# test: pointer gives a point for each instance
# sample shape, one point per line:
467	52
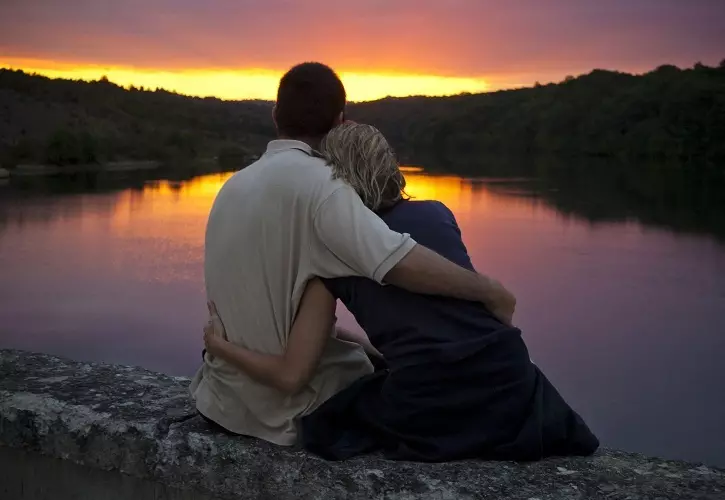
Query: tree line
69	122
668	115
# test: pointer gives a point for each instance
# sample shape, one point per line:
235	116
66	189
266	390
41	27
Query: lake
623	308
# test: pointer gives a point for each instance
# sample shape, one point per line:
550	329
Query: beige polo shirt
273	226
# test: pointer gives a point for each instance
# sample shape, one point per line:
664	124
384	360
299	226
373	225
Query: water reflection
625	318
683	198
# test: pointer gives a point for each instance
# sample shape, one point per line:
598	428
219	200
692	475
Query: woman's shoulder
432	224
430	209
429	204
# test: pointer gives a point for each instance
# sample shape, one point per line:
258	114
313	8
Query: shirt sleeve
353	241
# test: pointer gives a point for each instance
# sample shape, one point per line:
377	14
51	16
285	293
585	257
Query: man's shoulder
300	162
300	172
287	175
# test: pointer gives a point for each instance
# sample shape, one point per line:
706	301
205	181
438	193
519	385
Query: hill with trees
668	115
66	122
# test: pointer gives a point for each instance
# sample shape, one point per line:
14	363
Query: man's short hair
309	99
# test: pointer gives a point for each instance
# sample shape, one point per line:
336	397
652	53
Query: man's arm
359	243
424	271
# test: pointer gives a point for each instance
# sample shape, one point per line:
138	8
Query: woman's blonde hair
361	156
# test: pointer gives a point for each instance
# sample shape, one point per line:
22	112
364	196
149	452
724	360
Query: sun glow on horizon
239	84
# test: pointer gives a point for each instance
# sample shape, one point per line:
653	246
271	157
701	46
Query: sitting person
459	382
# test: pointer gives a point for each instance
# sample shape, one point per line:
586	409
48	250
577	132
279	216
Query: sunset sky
237	49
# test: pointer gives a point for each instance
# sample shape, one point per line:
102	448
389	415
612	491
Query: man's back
261	248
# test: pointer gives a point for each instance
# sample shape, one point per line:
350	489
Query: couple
321	216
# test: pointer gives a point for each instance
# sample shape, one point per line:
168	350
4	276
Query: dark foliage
668	115
67	122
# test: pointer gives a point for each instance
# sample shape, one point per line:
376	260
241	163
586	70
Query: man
281	221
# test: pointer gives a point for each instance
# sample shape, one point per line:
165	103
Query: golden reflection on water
455	192
161	198
163	223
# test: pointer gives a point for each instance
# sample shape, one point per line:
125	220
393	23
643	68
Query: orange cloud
237	49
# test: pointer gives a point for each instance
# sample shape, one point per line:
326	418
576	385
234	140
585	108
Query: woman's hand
358	338
214	332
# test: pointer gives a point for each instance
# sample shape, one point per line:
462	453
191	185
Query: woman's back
410	328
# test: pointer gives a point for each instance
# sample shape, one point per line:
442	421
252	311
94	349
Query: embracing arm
424	271
359	243
291	371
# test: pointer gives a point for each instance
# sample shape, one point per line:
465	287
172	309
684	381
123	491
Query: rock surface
141	423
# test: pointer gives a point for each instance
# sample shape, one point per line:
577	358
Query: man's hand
499	301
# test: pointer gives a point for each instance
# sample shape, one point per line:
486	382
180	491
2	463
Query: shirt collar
286	144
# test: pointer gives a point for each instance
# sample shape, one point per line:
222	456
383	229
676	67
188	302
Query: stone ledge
140	423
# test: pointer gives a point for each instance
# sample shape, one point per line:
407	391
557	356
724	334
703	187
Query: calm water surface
626	319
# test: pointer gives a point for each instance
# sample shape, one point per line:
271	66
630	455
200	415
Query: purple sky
453	37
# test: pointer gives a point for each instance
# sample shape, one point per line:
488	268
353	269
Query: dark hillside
668	115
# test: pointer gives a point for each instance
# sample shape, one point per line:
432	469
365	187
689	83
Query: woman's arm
291	371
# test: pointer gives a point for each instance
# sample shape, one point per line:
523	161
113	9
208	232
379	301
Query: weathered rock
141	423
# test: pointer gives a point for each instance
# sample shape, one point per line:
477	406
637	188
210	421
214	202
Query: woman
459	383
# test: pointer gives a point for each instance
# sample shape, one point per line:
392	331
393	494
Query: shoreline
45	170
33	170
